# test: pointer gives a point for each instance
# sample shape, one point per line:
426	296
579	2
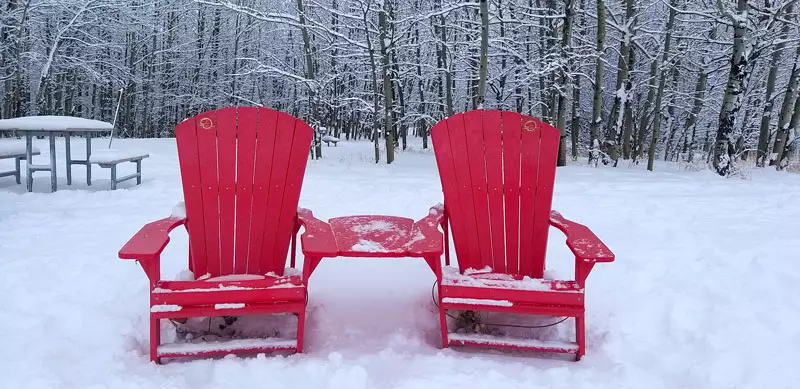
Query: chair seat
227	292
498	291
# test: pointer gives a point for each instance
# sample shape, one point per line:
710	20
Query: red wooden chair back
242	169
497	170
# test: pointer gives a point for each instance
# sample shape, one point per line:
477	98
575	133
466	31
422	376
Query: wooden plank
548	157
284	134
296	169
511	184
207	148
469	239
473	129
235	346
535	345
265	145
529	165
492	138
226	162
230	295
440	137
245	159
188	157
519	297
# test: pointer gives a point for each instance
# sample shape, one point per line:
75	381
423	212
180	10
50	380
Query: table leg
28	161
139	172
53	176
68	157
113	176
88	164
18	170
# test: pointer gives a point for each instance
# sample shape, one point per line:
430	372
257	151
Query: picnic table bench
111	158
330	139
18	153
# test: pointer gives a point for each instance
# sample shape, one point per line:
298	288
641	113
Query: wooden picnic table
52	126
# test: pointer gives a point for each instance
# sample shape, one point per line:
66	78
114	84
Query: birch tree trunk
387	83
769	99
621	93
375	96
786	113
481	94
734	88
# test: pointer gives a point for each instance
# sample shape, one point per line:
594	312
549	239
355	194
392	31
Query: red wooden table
372	236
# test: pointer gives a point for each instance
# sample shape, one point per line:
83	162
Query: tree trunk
734	88
387	84
566	45
599	69
312	89
769	99
786	114
481	95
621	92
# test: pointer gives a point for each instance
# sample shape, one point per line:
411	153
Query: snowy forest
625	81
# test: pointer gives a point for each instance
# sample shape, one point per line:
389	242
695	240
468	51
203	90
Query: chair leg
443	321
580	336
301	326
155	339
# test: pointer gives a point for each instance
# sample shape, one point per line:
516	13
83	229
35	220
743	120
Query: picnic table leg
113	176
28	159
139	172
53	176
18	171
88	154
68	156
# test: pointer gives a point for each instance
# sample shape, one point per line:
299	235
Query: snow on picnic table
703	293
53	122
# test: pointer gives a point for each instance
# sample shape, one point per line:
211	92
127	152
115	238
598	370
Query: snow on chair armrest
426	239
318	237
581	240
150	240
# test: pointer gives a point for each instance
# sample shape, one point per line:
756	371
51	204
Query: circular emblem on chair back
206	123
530	126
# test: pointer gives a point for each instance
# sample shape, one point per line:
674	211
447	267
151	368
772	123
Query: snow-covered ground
705	291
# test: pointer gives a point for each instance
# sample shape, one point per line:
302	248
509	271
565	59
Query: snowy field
705	291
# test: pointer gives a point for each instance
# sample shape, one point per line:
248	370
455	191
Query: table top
54	123
372	235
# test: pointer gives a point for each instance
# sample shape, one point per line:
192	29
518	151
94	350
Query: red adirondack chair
497	171
242	170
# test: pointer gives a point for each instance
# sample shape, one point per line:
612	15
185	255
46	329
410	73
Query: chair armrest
318	239
581	240
151	239
426	239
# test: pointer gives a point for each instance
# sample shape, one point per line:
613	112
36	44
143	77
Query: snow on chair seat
243	293
233	346
111	158
544	346
18	153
